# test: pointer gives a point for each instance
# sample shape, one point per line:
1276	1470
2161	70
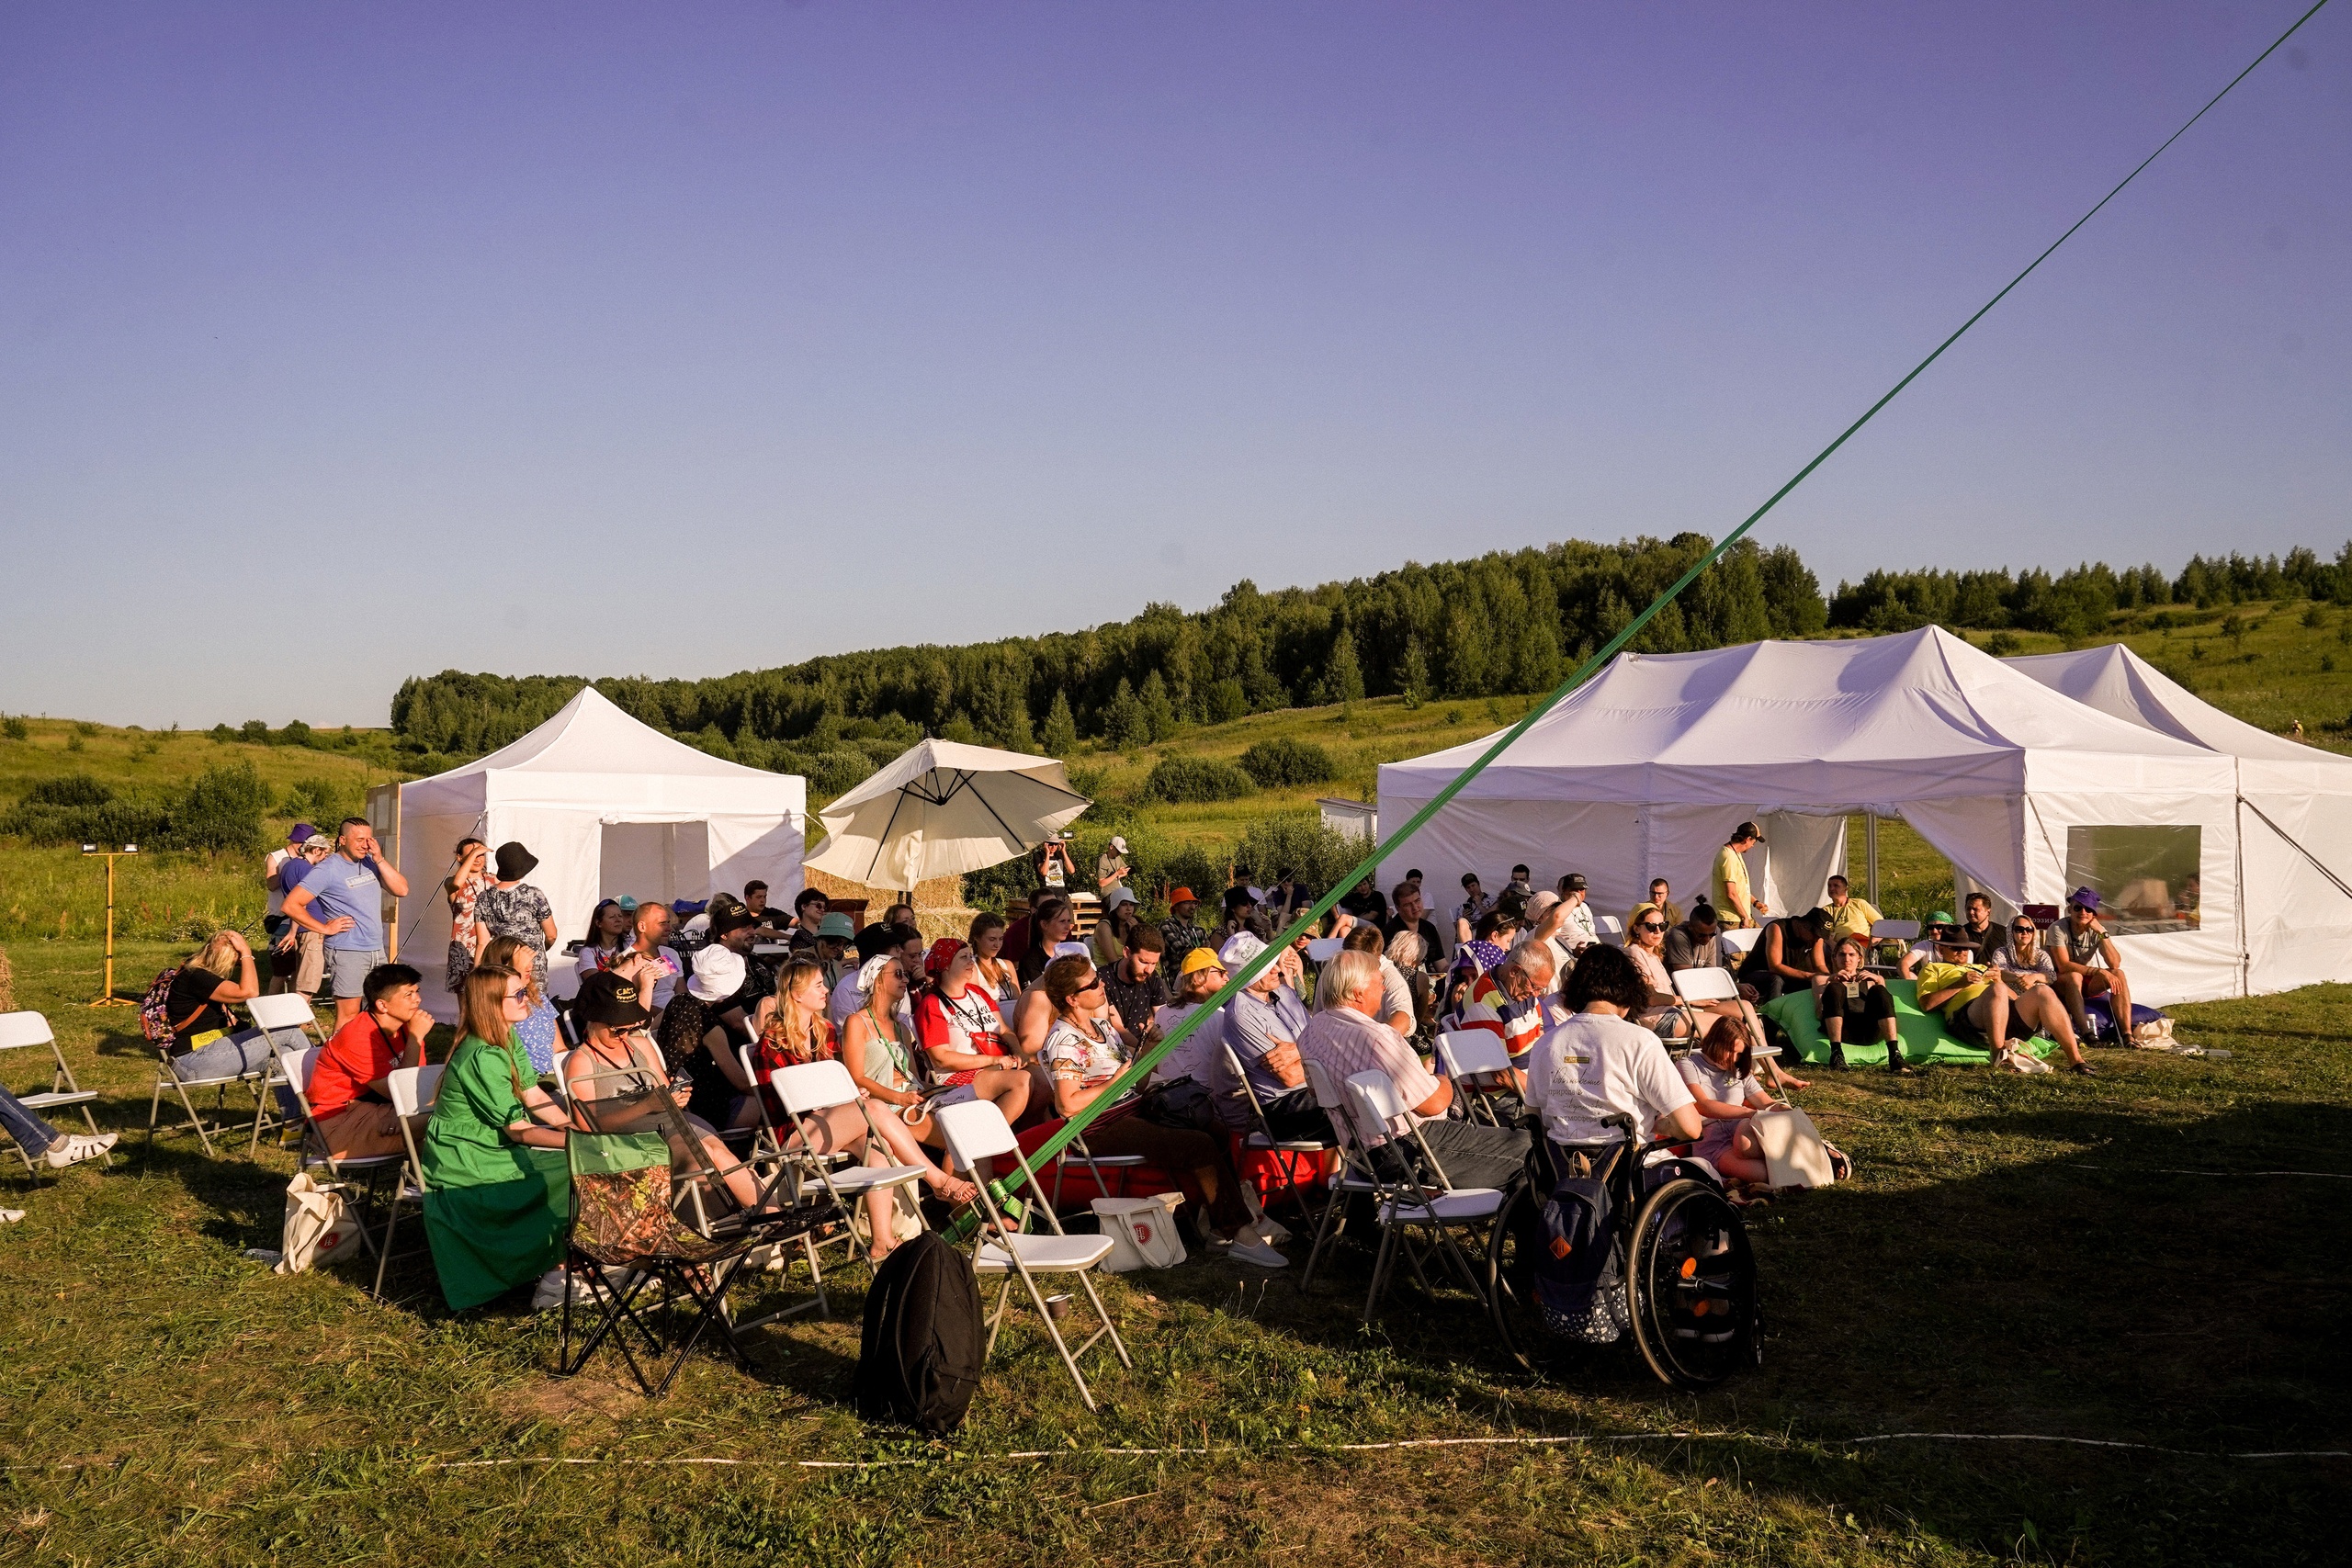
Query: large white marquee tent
610	806
2029	791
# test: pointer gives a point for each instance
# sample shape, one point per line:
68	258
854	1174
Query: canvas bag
1793	1151
1142	1230
319	1226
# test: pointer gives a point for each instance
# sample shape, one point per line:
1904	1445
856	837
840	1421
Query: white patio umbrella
941	809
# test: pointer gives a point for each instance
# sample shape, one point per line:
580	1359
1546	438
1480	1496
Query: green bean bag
1925	1039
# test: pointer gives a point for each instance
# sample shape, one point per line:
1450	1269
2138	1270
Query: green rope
1137	1069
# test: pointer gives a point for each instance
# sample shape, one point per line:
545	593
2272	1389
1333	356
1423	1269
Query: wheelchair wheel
1528	1344
1692	1282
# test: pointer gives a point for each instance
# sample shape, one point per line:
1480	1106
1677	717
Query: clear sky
340	344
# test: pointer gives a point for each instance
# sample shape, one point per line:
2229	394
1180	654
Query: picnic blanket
1924	1035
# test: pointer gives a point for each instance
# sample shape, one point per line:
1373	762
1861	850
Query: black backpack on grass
918	1361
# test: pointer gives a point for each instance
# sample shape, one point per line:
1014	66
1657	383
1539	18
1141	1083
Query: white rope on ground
2167	1170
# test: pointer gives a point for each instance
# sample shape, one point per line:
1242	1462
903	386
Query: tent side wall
2299	921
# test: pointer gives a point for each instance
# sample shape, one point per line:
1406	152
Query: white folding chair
1608	928
1478	1062
291	1023
809	1089
294	1069
258	1081
22	1030
1904	931
1699	987
977	1130
1284	1149
1354	1176
1407	1204
1741	939
412	1090
563	976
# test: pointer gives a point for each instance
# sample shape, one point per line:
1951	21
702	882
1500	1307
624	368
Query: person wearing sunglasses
2032	975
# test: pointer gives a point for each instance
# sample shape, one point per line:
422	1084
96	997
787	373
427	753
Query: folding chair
412	1090
1353	1177
810	1089
1741	940
289	1022
624	1222
976	1131
1285	1149
21	1030
1695	988
1608	928
1904	931
1408	1202
259	1081
1477	1060
1095	1165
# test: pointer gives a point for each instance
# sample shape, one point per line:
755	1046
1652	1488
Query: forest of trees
1506	622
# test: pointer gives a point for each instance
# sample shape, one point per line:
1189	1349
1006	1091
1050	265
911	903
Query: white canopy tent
2295	816
610	806
1645	771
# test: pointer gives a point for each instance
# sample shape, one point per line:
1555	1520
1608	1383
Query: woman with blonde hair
537	1030
497	1186
206	1042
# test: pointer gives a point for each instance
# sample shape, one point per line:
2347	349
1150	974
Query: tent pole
1870	854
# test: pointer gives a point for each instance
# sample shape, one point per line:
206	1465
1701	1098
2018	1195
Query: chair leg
384	1252
1086	1278
194	1120
1334	1203
1054	1330
1379	1270
996	1318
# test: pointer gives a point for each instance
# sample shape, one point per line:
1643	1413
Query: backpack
155	1008
918	1361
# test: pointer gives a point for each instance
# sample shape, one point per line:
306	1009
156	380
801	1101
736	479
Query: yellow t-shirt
1855	919
1935	976
1731	877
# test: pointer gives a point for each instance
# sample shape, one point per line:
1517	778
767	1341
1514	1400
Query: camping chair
810	1089
977	1130
1478	1062
625	1233
1353	1177
1407	1204
412	1090
22	1030
1285	1150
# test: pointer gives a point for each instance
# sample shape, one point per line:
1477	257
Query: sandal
953	1190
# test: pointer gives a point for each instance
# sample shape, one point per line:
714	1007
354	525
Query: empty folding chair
1905	931
977	1130
23	1030
1354	1177
1741	940
291	1023
1608	928
809	1089
410	1089
1479	1063
1406	1203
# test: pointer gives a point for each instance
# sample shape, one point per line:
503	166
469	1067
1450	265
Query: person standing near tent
2090	966
348	888
512	906
1729	883
462	886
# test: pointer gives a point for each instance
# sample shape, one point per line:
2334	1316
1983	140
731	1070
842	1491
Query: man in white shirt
1598	1064
1349	1038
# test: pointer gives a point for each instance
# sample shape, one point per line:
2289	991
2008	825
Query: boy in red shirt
349	1103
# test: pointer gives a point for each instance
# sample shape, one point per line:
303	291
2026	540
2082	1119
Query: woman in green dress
498	1190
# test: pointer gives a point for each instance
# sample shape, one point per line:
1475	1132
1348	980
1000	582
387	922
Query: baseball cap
718	974
1199	958
733	921
610	999
1940	917
1574	883
626	902
1748	830
837	926
1118	843
2083	897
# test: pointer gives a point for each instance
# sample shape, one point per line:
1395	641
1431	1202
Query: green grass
2011	1257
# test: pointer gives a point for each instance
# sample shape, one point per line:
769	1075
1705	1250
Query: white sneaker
10	1216
1246	1251
75	1149
1266	1228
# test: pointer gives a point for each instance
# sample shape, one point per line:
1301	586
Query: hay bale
7	984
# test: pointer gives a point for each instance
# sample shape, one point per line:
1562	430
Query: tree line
1506	622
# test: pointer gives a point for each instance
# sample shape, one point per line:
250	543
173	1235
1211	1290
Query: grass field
2014	1257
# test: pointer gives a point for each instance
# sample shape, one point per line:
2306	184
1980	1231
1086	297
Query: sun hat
837	925
1072	950
942	954
1240	949
2084	898
718	974
1183	895
1116	896
515	862
1199	958
1240	897
610	999
301	833
1540	903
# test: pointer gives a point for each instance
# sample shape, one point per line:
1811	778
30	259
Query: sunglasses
516	995
1651	926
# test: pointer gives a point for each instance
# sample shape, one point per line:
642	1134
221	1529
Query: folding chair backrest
1742	938
563	976
1372	1096
807	1086
1469	1052
412	1088
974	1131
562	1077
1608	928
1705	986
1895	930
1327	1092
295	1067
21	1029
282	1010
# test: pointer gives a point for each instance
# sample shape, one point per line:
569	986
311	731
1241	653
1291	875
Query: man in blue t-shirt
341	898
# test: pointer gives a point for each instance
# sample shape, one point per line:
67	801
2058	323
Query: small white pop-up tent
2295	816
609	806
1645	771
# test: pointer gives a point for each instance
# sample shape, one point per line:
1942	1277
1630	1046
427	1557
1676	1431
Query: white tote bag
1142	1230
1793	1151
319	1226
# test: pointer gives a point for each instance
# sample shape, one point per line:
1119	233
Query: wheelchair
1683	1282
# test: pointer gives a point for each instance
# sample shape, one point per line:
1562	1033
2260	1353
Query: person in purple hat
2088	965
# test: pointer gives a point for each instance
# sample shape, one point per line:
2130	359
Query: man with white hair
1514	999
1348	1038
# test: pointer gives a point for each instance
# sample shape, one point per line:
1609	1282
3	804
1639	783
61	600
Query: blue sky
345	344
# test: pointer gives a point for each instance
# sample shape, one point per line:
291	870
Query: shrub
16	728
320	801
75	789
221	810
1297	841
2000	645
1180	779
1285	764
